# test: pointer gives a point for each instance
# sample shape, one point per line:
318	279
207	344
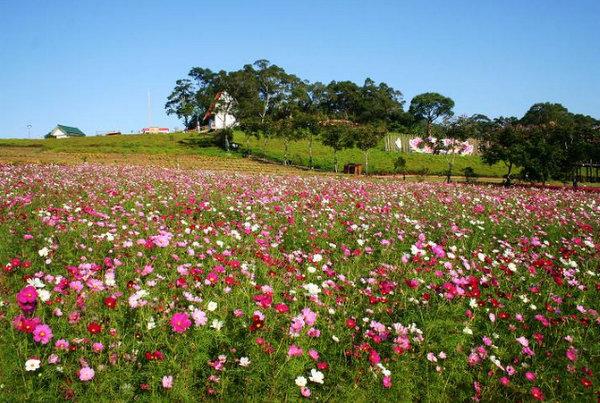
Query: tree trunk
508	180
310	152
285	151
335	161
366	161
449	173
428	128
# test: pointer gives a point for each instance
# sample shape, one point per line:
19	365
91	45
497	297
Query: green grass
380	161
175	143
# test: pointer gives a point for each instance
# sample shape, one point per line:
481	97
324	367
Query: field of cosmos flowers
123	282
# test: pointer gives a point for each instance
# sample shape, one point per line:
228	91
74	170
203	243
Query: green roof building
61	132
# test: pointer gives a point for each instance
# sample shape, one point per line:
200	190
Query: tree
310	113
400	166
342	100
503	142
378	104
431	106
547	113
336	136
181	101
367	137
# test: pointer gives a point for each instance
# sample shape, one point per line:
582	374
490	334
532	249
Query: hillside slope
200	151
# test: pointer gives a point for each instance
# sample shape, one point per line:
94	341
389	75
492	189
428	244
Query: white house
62	132
218	115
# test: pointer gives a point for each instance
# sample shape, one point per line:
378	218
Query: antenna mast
149	110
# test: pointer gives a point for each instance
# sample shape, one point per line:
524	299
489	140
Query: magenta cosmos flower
86	374
42	334
27	295
180	322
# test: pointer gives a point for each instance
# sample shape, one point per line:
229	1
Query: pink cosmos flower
438	251
523	341
572	353
387	382
180	322
305	391
167	382
294	351
199	317
86	374
374	357
314	354
530	376
97	347
309	316
42	334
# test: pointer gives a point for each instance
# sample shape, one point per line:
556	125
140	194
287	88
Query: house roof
210	110
72	131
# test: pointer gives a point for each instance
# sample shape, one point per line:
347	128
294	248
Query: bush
470	175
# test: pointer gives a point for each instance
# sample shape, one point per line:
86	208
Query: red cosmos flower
110	302
94	328
322	365
537	393
586	382
181	282
282	308
350	323
257	323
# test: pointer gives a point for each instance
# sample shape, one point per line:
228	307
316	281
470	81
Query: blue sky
91	63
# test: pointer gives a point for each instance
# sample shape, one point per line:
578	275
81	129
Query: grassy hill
199	150
380	161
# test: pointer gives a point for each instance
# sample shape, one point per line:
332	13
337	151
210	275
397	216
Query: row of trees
269	102
548	142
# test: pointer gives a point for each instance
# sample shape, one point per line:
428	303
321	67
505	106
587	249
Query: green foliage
431	106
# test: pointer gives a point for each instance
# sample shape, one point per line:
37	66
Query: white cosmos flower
312	289
44	295
217	324
301	381
36	282
316	376
212	305
244	362
32	364
317	258
467	330
44	251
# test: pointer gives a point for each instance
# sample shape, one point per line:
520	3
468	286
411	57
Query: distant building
113	133
155	130
217	115
62	132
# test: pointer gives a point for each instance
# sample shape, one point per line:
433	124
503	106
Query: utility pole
29	130
149	110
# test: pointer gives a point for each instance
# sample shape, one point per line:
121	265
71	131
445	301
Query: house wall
222	120
59	134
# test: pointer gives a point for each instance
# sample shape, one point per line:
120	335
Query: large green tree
367	137
430	107
181	101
